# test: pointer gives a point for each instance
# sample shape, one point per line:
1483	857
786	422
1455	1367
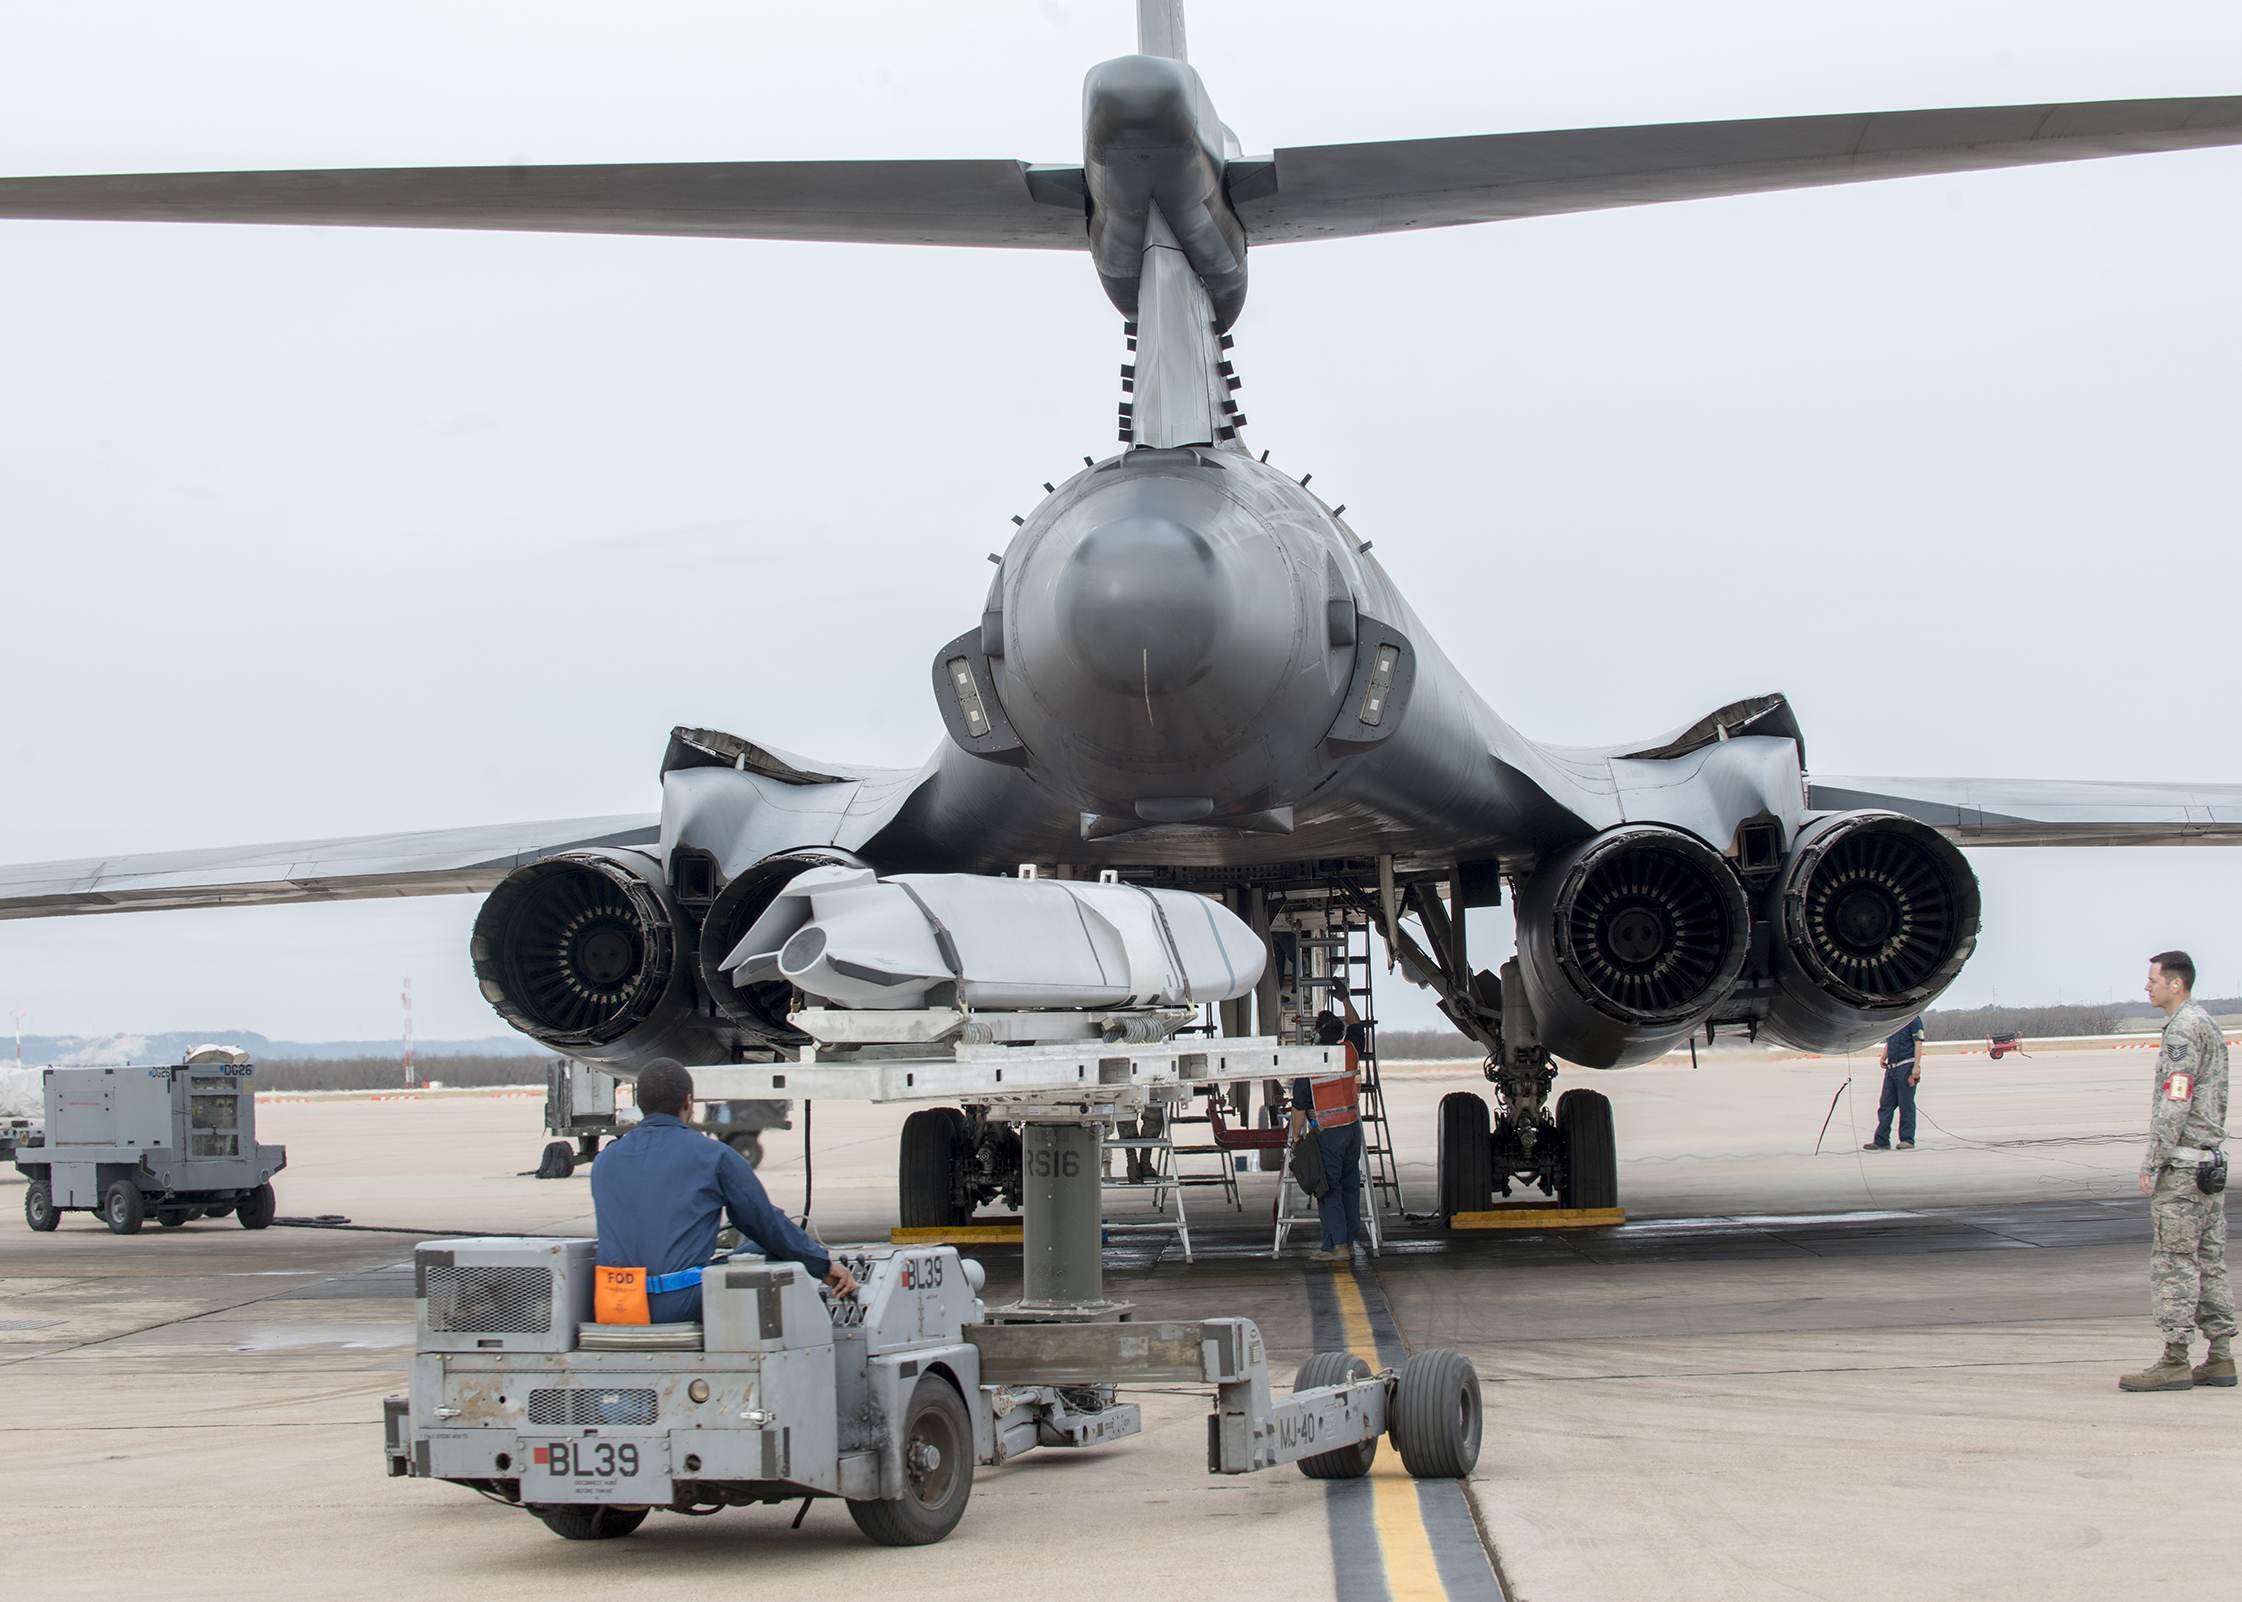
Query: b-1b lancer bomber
1191	675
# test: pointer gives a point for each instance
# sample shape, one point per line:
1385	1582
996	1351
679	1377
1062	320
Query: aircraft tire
926	1168
1591	1176
1347	1462
1463	1159
1437	1417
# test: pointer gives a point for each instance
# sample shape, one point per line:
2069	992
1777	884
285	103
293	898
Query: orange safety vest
1336	1100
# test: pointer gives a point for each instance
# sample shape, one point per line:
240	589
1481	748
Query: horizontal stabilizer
2048	812
1334	191
433	862
860	202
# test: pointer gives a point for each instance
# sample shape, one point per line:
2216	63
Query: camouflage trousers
2188	1287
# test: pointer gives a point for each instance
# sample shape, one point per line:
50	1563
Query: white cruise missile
857	940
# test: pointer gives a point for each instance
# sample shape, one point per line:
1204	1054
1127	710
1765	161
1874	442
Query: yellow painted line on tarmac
1404	1544
956	1233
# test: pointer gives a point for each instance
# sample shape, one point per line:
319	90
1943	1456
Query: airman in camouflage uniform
2187	1126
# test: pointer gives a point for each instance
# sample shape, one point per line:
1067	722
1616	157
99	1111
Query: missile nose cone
1143	602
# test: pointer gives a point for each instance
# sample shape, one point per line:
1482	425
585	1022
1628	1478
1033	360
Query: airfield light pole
408	999
19	1037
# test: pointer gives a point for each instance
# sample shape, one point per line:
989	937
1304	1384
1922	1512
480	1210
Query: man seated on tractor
661	1193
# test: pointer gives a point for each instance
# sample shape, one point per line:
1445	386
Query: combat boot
2169	1373
2218	1367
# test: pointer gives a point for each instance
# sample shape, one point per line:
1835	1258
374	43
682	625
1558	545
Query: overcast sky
317	532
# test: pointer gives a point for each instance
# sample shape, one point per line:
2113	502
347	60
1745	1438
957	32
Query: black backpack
1307	1166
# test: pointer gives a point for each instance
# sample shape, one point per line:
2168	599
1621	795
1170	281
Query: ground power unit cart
887	1400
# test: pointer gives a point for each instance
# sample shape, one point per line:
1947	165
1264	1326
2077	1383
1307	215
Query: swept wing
2048	812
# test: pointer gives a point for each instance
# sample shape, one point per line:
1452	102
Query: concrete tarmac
1837	1375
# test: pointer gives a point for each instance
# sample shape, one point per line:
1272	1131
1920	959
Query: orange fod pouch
619	1296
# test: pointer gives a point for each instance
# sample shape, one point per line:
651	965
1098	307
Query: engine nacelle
583	952
1628	941
759	1006
1877	915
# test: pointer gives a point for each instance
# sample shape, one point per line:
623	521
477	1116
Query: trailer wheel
1436	1415
926	1169
38	1207
1464	1158
748	1146
1584	1128
1347	1462
255	1210
173	1217
590	1521
937	1471
121	1209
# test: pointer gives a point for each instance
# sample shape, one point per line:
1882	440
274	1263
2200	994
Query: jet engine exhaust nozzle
577	951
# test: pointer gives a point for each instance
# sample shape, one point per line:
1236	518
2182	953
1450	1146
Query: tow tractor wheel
926	1168
1436	1415
39	1208
1584	1127
590	1521
121	1209
937	1471
255	1210
1347	1462
173	1217
1464	1160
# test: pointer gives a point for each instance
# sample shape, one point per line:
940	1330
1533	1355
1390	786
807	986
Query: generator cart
886	1400
178	1142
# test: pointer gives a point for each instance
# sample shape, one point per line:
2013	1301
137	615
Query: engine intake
579	951
1628	941
1879	912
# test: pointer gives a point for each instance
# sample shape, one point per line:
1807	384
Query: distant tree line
387	1073
1426	1045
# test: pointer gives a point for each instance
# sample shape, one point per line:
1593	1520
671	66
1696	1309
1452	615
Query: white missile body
857	940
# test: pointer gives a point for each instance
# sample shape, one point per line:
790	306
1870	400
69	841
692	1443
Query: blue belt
657	1283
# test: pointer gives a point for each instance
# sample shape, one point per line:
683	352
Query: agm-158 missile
857	940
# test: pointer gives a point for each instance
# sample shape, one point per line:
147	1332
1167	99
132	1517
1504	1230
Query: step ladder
1332	962
1295	1210
1156	1153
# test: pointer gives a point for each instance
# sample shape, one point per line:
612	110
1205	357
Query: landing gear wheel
589	1521
256	1209
558	1162
1584	1128
933	1144
937	1471
1347	1462
1464	1161
121	1209
1436	1415
39	1210
748	1146
173	1217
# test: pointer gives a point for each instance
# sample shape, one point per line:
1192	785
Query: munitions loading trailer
177	1142
887	1400
580	1107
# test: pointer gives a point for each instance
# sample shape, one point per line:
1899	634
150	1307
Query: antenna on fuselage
1160	29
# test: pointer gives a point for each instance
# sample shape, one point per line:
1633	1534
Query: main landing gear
952	1162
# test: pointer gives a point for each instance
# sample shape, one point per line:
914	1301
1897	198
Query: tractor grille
591	1406
490	1301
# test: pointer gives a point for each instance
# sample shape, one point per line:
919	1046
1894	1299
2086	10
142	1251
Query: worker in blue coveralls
661	1192
1903	1071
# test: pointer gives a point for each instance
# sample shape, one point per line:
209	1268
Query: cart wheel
1346	1462
39	1208
172	1217
589	1521
1437	1415
937	1471
256	1209
748	1146
121	1209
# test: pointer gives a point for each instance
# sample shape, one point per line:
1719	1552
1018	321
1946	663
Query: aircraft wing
434	862
2048	812
1332	191
1011	203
